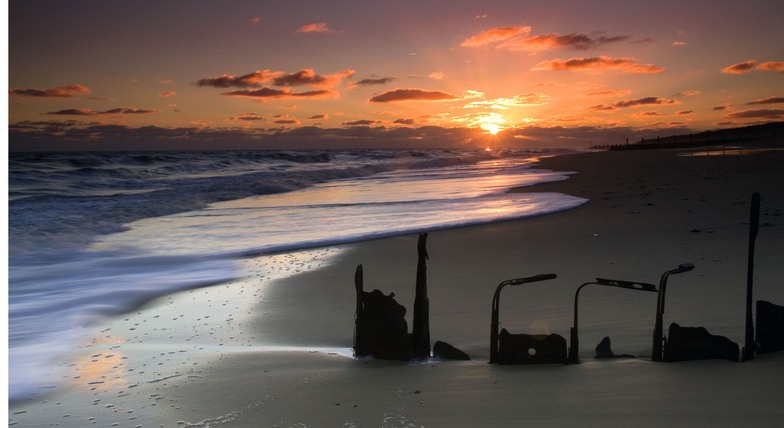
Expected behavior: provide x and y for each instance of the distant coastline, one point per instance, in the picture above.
(761, 135)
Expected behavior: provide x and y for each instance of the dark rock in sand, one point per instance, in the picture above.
(603, 349)
(770, 327)
(531, 349)
(695, 343)
(449, 352)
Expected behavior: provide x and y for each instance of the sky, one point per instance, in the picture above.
(153, 75)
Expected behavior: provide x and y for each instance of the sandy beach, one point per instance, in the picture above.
(274, 348)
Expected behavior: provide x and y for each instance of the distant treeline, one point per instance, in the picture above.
(719, 137)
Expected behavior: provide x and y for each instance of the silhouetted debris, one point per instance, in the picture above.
(770, 327)
(448, 352)
(381, 330)
(531, 349)
(420, 334)
(695, 343)
(603, 349)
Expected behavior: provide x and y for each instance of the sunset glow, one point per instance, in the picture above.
(125, 75)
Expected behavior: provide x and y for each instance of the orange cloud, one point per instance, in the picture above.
(529, 99)
(437, 75)
(647, 114)
(318, 27)
(254, 21)
(769, 100)
(495, 35)
(307, 76)
(412, 95)
(632, 103)
(246, 81)
(280, 94)
(741, 67)
(67, 91)
(598, 64)
(609, 92)
(771, 66)
(167, 94)
(687, 93)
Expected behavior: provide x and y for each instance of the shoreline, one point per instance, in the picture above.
(647, 212)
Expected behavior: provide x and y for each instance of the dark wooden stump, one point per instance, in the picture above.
(420, 335)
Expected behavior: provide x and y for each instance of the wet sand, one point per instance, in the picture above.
(267, 352)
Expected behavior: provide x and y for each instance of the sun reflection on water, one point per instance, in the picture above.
(102, 370)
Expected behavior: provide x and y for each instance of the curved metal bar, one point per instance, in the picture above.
(657, 350)
(496, 302)
(574, 341)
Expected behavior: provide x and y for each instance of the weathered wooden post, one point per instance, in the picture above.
(748, 348)
(420, 335)
(358, 284)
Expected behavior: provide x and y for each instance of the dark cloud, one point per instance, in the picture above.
(74, 112)
(250, 80)
(307, 76)
(412, 95)
(55, 92)
(520, 39)
(633, 103)
(280, 94)
(598, 64)
(769, 100)
(741, 67)
(251, 85)
(756, 114)
(647, 114)
(378, 81)
(362, 122)
(573, 41)
(687, 93)
(248, 117)
(89, 112)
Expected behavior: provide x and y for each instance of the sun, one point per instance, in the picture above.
(492, 128)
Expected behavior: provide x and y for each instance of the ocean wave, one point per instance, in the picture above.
(66, 199)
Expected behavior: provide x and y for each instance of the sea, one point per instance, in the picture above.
(94, 235)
